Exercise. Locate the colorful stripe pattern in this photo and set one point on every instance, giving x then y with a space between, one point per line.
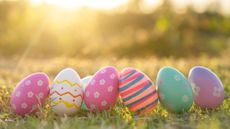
137 91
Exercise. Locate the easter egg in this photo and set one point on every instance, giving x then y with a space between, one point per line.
208 89
84 83
66 93
137 91
30 93
102 90
175 92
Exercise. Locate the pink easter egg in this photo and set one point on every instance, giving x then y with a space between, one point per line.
102 90
30 93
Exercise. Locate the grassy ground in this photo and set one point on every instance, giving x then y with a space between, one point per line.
13 70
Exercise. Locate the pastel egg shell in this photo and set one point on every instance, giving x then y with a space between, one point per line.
83 106
174 90
30 93
84 82
137 91
208 89
66 94
102 90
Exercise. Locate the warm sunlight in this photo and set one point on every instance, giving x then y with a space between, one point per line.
97 4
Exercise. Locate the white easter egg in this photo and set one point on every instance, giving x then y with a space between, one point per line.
66 93
85 81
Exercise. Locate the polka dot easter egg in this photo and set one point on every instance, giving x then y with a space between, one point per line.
137 91
30 93
66 93
174 90
102 90
84 83
208 89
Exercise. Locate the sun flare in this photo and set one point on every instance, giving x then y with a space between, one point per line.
97 4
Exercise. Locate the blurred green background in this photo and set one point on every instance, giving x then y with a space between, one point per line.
136 28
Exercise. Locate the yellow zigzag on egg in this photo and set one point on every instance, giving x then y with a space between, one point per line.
67 104
62 94
67 81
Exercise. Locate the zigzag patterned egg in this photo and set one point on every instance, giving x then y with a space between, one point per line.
137 91
102 90
30 93
66 93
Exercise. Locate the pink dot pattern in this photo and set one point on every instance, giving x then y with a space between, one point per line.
102 91
29 93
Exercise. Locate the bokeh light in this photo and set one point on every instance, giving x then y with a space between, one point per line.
96 4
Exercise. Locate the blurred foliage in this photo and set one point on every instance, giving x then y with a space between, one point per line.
46 31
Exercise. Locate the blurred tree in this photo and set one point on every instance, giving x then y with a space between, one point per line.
45 30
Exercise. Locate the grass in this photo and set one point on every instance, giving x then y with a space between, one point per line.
13 70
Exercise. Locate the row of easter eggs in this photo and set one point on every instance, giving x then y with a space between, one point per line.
69 93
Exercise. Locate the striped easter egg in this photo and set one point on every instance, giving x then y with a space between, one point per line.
137 91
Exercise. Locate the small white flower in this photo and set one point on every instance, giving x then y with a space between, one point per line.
102 81
110 88
177 78
103 103
216 92
87 93
40 95
24 105
185 98
18 94
92 82
195 88
28 82
112 76
30 94
96 95
40 83
103 71
92 106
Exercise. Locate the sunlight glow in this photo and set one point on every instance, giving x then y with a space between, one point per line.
96 4
146 5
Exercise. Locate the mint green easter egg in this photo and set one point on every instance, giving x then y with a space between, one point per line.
175 92
84 83
83 106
